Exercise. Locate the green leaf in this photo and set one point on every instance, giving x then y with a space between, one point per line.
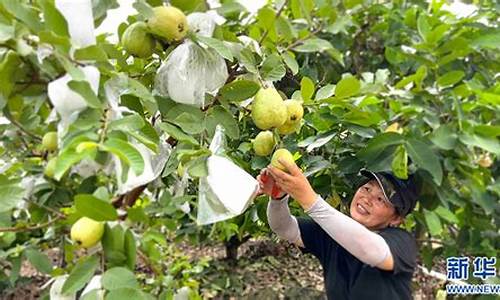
446 214
119 277
65 161
226 119
148 136
189 123
130 249
400 163
143 8
127 123
6 32
450 78
54 20
247 59
433 222
126 293
347 87
314 45
489 144
423 26
487 41
10 194
307 88
83 88
424 157
378 144
81 275
325 92
290 62
94 208
198 167
444 137
136 88
39 260
27 14
178 134
217 45
273 69
8 67
127 153
239 90
93 52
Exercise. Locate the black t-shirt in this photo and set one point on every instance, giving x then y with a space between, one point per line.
346 277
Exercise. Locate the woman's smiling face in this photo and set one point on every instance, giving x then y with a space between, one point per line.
370 207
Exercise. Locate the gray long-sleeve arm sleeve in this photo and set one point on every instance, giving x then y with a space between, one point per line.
281 221
369 247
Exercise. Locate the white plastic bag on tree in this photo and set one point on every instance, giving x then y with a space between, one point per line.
190 71
78 15
227 190
68 103
153 162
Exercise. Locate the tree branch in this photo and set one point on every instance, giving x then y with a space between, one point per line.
301 40
277 16
31 227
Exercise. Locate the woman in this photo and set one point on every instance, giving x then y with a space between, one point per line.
364 256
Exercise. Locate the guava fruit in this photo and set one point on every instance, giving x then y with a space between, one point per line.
295 110
283 154
485 161
263 143
394 127
87 232
50 168
137 41
49 141
268 109
168 22
289 127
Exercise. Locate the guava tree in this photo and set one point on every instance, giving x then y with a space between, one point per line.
398 85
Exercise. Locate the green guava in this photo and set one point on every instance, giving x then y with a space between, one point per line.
169 23
137 41
268 109
263 143
284 154
87 232
49 141
50 168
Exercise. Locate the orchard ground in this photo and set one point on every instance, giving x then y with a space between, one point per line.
266 269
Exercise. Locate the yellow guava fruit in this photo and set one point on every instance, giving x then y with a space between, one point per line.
137 41
169 23
87 232
268 109
50 168
295 110
289 127
394 127
49 141
263 143
283 154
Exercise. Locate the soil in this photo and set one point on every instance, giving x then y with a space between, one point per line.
265 269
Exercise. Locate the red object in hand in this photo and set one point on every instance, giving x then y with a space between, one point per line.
264 177
275 192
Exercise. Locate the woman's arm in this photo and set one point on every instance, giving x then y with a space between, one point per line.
367 246
282 222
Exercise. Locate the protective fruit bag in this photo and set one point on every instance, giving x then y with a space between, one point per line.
227 190
191 71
